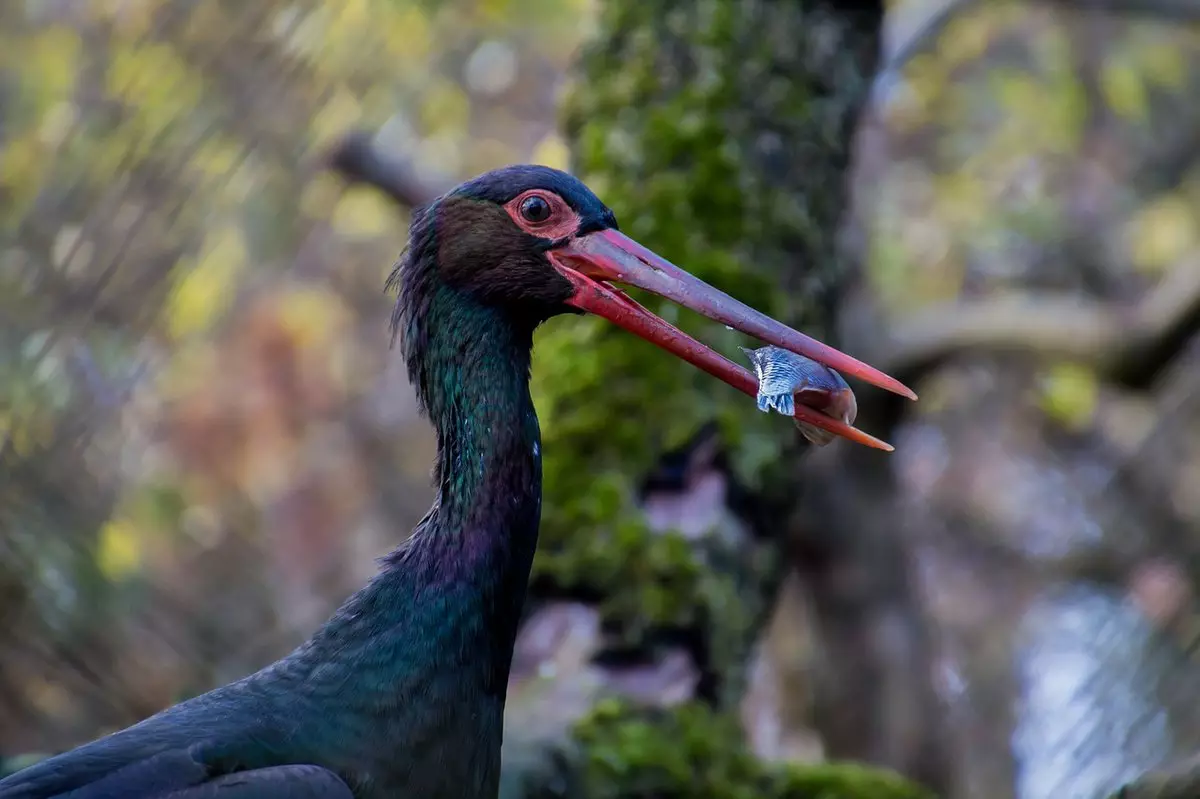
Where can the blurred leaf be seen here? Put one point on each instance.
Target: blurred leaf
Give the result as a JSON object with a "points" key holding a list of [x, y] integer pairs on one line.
{"points": [[204, 290], [1164, 64], [22, 165], [965, 38], [552, 151], [131, 17], [363, 212], [155, 82], [408, 38], [1124, 90], [118, 552], [1069, 394], [51, 61], [311, 315], [340, 113], [321, 195], [445, 107], [1163, 232]]}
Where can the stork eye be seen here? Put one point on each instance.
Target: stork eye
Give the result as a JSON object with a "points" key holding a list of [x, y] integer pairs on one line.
{"points": [[535, 209]]}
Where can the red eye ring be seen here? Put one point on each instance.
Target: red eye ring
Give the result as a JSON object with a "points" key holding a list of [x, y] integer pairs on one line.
{"points": [[554, 221], [536, 209]]}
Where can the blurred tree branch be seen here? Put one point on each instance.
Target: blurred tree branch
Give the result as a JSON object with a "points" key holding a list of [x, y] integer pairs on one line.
{"points": [[927, 34], [1125, 344], [357, 158]]}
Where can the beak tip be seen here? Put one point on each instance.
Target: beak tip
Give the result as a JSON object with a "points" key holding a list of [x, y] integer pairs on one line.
{"points": [[896, 387]]}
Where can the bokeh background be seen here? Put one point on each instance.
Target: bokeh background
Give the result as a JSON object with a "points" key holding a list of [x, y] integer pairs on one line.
{"points": [[205, 440]]}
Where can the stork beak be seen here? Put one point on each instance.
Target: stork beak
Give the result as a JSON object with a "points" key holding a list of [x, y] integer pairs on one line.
{"points": [[595, 260]]}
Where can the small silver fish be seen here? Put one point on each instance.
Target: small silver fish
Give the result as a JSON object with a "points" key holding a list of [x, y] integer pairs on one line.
{"points": [[784, 375]]}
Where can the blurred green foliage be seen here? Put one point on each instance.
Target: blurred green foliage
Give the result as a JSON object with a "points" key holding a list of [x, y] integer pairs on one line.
{"points": [[691, 752]]}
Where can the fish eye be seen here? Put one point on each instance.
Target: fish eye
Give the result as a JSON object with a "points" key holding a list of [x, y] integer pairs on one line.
{"points": [[535, 209]]}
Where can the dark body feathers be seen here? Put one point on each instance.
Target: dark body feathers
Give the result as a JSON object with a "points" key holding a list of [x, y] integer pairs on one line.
{"points": [[401, 693]]}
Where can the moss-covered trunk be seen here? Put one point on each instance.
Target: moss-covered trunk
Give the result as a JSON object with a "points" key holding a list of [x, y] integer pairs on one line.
{"points": [[721, 135]]}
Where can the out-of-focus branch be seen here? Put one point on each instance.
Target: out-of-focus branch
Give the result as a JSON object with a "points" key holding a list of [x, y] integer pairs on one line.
{"points": [[357, 158], [1127, 344], [924, 37]]}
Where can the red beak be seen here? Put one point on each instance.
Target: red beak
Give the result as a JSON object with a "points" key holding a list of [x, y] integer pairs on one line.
{"points": [[594, 260]]}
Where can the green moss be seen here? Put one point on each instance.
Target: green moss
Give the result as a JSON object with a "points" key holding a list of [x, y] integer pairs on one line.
{"points": [[717, 133], [690, 751]]}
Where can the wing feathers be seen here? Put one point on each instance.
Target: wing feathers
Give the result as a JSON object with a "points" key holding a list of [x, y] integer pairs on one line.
{"points": [[153, 776], [176, 774], [278, 782]]}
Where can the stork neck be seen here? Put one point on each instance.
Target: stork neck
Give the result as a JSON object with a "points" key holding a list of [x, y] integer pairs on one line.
{"points": [[423, 652], [472, 376]]}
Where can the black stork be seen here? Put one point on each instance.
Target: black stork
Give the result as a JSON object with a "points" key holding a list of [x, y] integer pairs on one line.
{"points": [[401, 693]]}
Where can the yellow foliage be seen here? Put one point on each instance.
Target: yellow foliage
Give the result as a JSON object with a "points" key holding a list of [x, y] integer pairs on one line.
{"points": [[485, 154], [1069, 395], [57, 123], [132, 18], [1019, 92], [204, 290], [217, 157], [495, 11], [1041, 115], [552, 151], [118, 550], [340, 41], [962, 197], [354, 14], [363, 212], [109, 156], [445, 107], [965, 38], [49, 64], [926, 79], [345, 37], [1163, 232], [310, 37], [189, 370], [320, 195], [1124, 90], [312, 316], [1164, 64], [340, 113], [22, 165], [154, 82], [26, 432], [407, 39]]}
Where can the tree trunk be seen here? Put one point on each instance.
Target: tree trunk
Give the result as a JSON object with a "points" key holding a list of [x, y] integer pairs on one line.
{"points": [[721, 135]]}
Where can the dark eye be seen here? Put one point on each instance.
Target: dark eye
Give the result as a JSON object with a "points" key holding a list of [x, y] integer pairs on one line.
{"points": [[534, 208]]}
